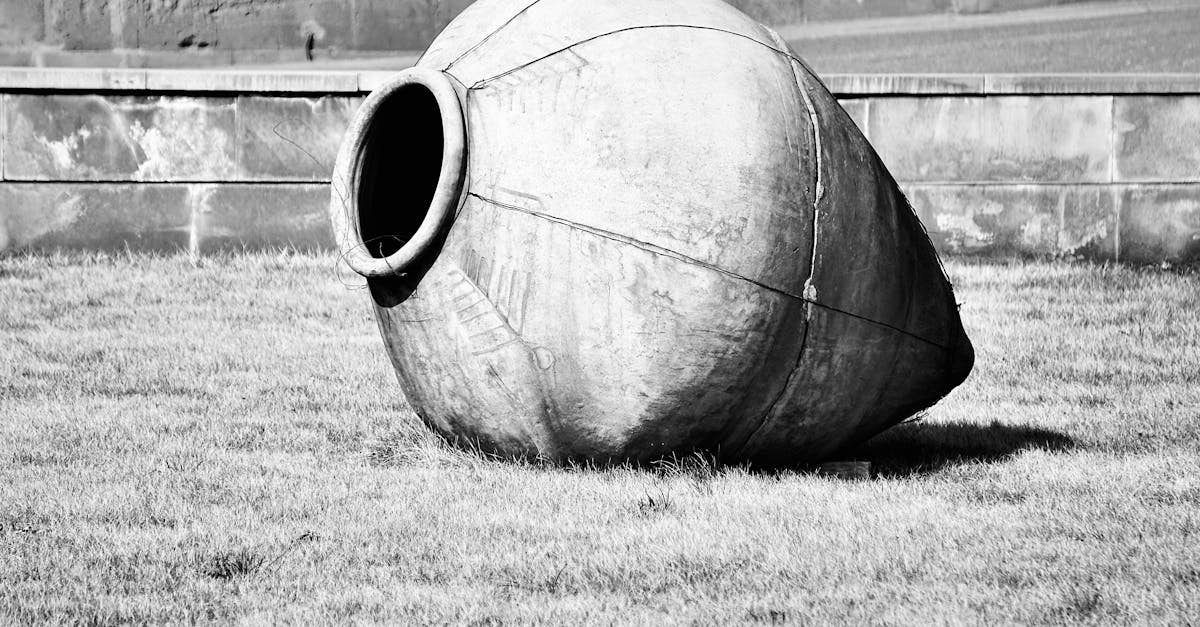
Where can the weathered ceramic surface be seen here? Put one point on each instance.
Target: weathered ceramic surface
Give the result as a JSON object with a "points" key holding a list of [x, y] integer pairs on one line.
{"points": [[670, 237]]}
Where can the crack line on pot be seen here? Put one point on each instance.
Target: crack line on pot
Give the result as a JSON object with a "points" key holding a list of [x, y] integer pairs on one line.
{"points": [[667, 252], [810, 290], [480, 83], [489, 35]]}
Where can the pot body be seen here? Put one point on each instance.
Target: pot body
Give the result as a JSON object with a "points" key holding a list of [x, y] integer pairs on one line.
{"points": [[667, 236]]}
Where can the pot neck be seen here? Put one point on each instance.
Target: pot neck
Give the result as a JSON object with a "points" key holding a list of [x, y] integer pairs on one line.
{"points": [[401, 173]]}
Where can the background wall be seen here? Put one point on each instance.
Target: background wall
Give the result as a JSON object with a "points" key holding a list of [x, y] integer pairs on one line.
{"points": [[367, 25], [236, 24], [1102, 167]]}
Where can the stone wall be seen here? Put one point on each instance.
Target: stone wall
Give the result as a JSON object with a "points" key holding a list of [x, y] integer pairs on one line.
{"points": [[1104, 167], [1098, 167], [335, 25], [233, 24]]}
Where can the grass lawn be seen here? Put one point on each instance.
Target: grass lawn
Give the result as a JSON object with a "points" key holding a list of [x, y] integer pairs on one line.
{"points": [[226, 442]]}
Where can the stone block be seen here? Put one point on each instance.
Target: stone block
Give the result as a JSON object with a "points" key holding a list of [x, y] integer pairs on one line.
{"points": [[10, 57], [1021, 220], [94, 216], [401, 25], [1158, 138], [239, 217], [81, 25], [1160, 223], [22, 22], [286, 25], [259, 25], [857, 108], [1064, 139], [119, 138], [291, 139], [181, 25], [1090, 220]]}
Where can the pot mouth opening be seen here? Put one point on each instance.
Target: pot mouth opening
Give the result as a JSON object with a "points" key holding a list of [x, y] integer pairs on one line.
{"points": [[406, 173]]}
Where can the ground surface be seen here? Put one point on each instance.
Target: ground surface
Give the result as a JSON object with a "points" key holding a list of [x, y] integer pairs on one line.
{"points": [[226, 443], [1084, 38]]}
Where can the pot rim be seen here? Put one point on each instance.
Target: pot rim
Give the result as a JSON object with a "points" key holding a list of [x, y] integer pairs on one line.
{"points": [[447, 198]]}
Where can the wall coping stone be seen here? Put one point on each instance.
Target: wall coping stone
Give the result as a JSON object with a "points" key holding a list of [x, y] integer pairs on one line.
{"points": [[353, 82], [253, 81]]}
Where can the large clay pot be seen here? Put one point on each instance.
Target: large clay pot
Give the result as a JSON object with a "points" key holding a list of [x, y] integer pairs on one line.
{"points": [[622, 229]]}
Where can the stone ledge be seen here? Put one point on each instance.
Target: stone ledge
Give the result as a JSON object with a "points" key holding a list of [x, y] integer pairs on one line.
{"points": [[1010, 84], [72, 79], [904, 84], [350, 81], [253, 81], [1113, 84], [198, 81]]}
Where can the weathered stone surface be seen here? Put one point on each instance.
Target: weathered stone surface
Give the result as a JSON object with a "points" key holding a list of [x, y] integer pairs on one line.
{"points": [[291, 139], [365, 24], [137, 58], [237, 217], [15, 57], [1160, 223], [1158, 138], [392, 25], [55, 78], [287, 24], [22, 22], [1091, 83], [887, 84], [252, 81], [1025, 220], [272, 24], [1090, 220], [177, 59], [82, 25], [186, 24], [94, 216], [121, 138], [857, 109], [1019, 138]]}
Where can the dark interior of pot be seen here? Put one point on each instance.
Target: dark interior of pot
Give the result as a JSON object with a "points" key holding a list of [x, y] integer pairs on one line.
{"points": [[400, 163]]}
